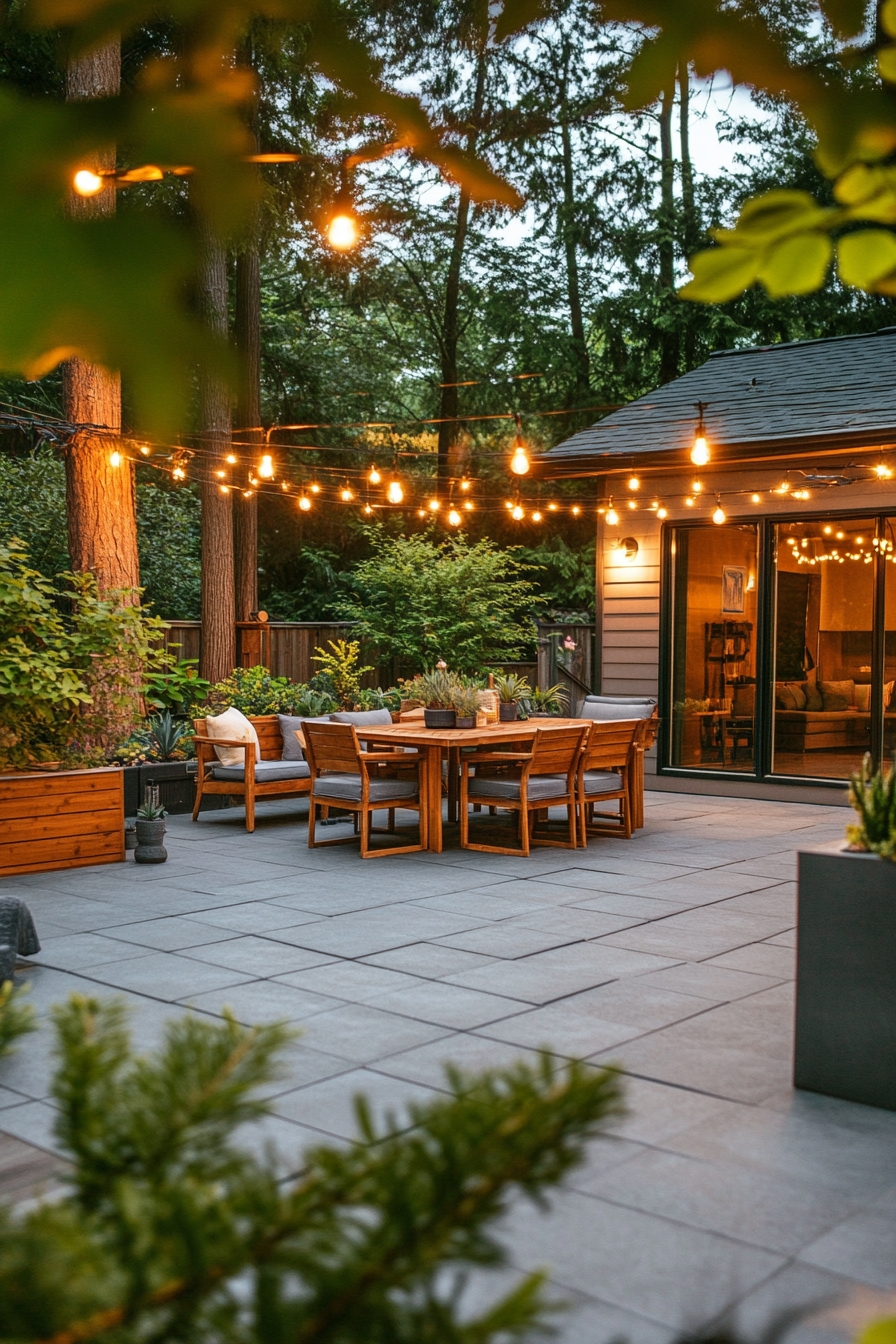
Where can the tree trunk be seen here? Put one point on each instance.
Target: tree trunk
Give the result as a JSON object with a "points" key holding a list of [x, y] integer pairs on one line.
{"points": [[568, 234], [690, 223], [449, 429], [248, 415], [101, 500], [218, 650], [666, 242]]}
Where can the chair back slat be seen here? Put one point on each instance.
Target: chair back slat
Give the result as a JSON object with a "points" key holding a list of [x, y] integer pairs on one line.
{"points": [[610, 742], [270, 739], [555, 751], [332, 746]]}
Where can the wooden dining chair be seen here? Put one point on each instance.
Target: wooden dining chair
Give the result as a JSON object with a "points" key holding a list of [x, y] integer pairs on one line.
{"points": [[344, 776], [545, 777], [604, 776], [643, 741]]}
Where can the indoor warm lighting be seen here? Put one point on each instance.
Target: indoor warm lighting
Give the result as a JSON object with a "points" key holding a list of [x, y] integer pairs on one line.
{"points": [[634, 483], [115, 459], [87, 183], [179, 474], [519, 463], [342, 232], [882, 472], [719, 513], [434, 505], [536, 517], [304, 503], [700, 450], [662, 513], [266, 470], [374, 478], [517, 513], [230, 458], [612, 515], [394, 493], [454, 518], [346, 495]]}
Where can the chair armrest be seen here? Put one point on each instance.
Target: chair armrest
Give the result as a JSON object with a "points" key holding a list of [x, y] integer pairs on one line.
{"points": [[223, 742]]}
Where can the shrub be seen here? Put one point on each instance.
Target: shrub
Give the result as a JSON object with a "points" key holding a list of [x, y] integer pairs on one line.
{"points": [[873, 795], [341, 666], [252, 690]]}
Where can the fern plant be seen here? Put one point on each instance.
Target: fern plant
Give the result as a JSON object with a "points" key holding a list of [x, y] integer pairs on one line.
{"points": [[873, 795]]}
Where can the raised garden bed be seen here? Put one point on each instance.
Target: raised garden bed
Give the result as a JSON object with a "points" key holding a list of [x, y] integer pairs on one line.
{"points": [[64, 819], [177, 787]]}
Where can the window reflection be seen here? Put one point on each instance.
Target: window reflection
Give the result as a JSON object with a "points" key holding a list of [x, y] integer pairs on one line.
{"points": [[822, 646]]}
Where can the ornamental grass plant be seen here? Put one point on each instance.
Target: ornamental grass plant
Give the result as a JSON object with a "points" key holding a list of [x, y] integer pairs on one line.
{"points": [[873, 795]]}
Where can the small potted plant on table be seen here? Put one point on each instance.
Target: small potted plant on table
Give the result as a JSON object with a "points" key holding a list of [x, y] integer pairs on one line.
{"points": [[547, 704], [435, 691], [846, 954], [465, 700], [511, 690]]}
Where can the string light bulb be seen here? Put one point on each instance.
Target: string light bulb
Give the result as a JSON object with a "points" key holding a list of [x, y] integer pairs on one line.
{"points": [[718, 516], [700, 452], [757, 499], [225, 489], [374, 477], [178, 473], [221, 474], [454, 518], [115, 459], [315, 489], [394, 492], [662, 512], [576, 510], [697, 487], [342, 230], [304, 503], [517, 513], [87, 183], [612, 515], [266, 468], [519, 462], [536, 517], [552, 508], [434, 505], [634, 483], [468, 505], [231, 459], [145, 449], [346, 495], [465, 484], [368, 509], [882, 471]]}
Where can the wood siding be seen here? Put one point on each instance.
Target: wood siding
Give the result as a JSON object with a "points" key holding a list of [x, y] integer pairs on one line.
{"points": [[631, 610], [64, 820]]}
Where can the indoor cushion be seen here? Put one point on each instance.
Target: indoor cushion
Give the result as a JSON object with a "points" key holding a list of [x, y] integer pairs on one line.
{"points": [[798, 692], [784, 696], [814, 701], [349, 786], [863, 697], [837, 694], [362, 718], [602, 781], [289, 723], [233, 724], [265, 771], [540, 786]]}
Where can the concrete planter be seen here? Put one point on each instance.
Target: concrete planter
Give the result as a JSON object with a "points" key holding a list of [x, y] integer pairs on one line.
{"points": [[150, 835], [846, 978], [507, 711], [177, 787]]}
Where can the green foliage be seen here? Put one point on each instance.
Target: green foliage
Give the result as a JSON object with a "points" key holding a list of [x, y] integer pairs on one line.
{"points": [[314, 704], [465, 700], [873, 795], [253, 690], [16, 1018], [173, 1231], [434, 690], [176, 685], [32, 508], [552, 700], [69, 661], [341, 665], [468, 603], [511, 687], [169, 544], [562, 574], [377, 698]]}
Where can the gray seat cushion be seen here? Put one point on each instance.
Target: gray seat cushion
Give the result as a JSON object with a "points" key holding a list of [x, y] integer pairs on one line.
{"points": [[363, 718], [349, 786], [265, 771], [602, 781], [540, 786], [288, 725], [605, 711]]}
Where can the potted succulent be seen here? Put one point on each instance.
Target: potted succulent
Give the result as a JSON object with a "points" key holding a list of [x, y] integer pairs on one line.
{"points": [[548, 704], [435, 692], [846, 954], [163, 750], [511, 690], [465, 700], [150, 828]]}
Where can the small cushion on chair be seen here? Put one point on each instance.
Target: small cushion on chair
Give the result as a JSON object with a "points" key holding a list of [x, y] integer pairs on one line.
{"points": [[602, 781], [265, 771], [349, 786], [540, 786], [233, 724], [289, 724]]}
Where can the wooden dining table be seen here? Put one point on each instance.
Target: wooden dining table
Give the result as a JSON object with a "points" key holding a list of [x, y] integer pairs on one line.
{"points": [[435, 743]]}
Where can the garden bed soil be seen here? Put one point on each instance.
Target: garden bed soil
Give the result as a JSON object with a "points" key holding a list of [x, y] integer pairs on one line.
{"points": [[60, 819]]}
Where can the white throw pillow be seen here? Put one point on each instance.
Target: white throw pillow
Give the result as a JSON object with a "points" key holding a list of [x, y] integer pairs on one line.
{"points": [[234, 725]]}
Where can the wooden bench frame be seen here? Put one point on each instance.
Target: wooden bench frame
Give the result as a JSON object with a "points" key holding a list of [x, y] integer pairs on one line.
{"points": [[270, 740]]}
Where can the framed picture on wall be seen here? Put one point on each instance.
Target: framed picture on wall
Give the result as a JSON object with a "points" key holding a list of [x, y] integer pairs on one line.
{"points": [[734, 584]]}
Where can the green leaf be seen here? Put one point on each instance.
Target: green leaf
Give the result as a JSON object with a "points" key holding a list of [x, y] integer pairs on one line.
{"points": [[774, 215], [887, 16], [721, 273], [519, 14], [866, 257], [797, 265], [847, 17], [879, 1332]]}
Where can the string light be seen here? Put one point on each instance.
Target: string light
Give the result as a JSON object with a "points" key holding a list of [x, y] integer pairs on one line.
{"points": [[315, 489], [757, 499], [454, 518], [468, 505], [632, 504], [231, 458], [576, 511], [374, 477], [434, 505], [465, 484], [700, 451], [345, 494], [519, 462], [87, 183], [662, 513], [115, 459], [221, 474], [634, 483], [304, 503], [552, 508], [689, 502], [697, 487], [517, 513], [225, 489], [883, 472], [178, 473], [368, 509], [394, 492], [284, 485], [266, 469], [421, 513], [718, 516], [612, 515], [536, 517], [145, 449], [342, 231]]}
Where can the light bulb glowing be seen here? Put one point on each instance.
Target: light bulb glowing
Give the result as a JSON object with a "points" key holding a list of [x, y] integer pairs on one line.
{"points": [[827, 530], [178, 473], [700, 451], [519, 463], [536, 517], [612, 516], [632, 504], [434, 505], [634, 483], [468, 505], [87, 183], [230, 458], [697, 487], [304, 503], [757, 499], [454, 518], [225, 489], [394, 493], [662, 513], [552, 508], [368, 509], [342, 232], [315, 489], [465, 484], [266, 470], [145, 450], [115, 459], [882, 472], [346, 495], [374, 478], [689, 502], [517, 513], [719, 514], [284, 485], [576, 510], [221, 474]]}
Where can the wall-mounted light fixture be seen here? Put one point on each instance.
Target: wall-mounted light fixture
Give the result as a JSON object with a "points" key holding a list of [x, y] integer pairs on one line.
{"points": [[627, 548]]}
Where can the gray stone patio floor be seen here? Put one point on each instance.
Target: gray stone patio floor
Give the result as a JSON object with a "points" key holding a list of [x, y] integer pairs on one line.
{"points": [[722, 1191]]}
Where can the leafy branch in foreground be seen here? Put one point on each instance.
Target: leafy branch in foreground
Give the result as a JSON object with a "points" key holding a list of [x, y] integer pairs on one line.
{"points": [[173, 1232], [16, 1018]]}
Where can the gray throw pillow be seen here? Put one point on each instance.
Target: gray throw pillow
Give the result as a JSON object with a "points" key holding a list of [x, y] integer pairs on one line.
{"points": [[288, 725], [362, 718]]}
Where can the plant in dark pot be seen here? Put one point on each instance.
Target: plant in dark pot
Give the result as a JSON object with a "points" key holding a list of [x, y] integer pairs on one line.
{"points": [[435, 692], [150, 828], [547, 704], [465, 700], [846, 953], [511, 690]]}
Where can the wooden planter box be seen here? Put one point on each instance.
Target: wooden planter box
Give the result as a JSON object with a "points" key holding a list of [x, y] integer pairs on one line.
{"points": [[60, 820], [846, 978]]}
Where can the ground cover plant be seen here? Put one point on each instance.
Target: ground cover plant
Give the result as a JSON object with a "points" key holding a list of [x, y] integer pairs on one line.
{"points": [[171, 1231]]}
